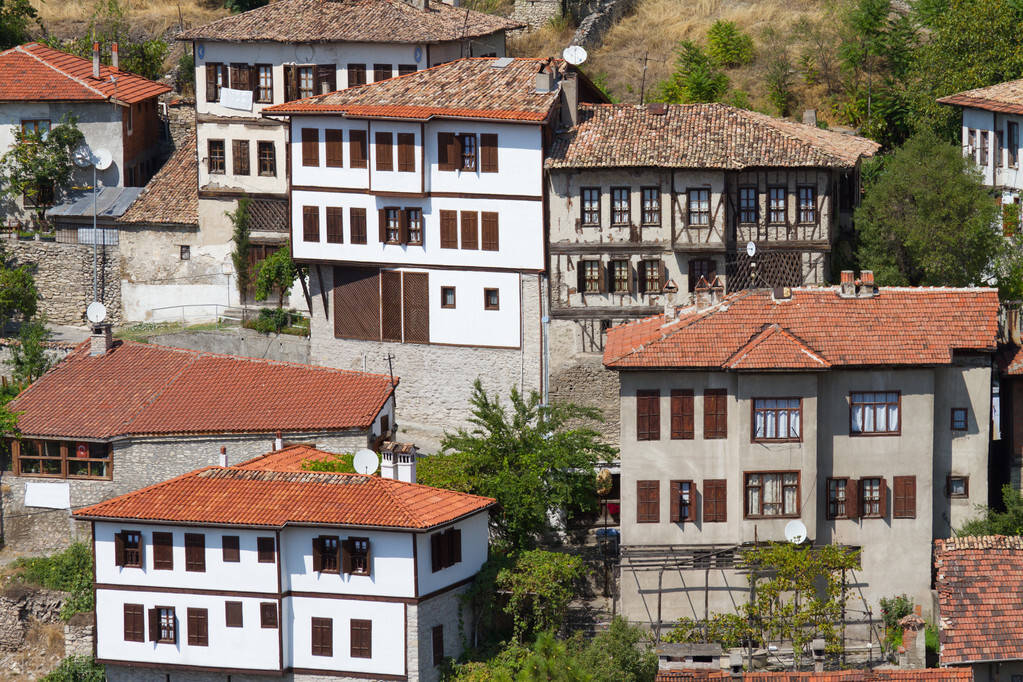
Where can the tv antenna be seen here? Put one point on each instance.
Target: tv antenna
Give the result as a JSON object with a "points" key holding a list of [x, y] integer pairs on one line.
{"points": [[99, 159], [366, 462]]}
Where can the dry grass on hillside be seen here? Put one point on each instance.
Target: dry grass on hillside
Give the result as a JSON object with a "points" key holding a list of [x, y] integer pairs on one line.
{"points": [[547, 41], [66, 18]]}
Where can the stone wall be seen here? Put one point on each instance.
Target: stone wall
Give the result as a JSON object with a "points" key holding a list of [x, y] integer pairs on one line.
{"points": [[63, 275], [241, 341], [599, 21], [593, 17], [20, 606], [536, 13], [446, 610], [80, 635], [55, 351], [580, 377]]}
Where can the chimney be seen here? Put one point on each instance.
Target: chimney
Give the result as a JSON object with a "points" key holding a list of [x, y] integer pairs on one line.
{"points": [[114, 60], [670, 291], [101, 340], [278, 441], [735, 665], [867, 288], [818, 647], [810, 117], [709, 294], [420, 4], [398, 461], [545, 79], [913, 652], [847, 288], [570, 100], [95, 60], [223, 456]]}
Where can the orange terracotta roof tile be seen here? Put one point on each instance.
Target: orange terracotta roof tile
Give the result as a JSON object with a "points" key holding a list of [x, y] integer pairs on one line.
{"points": [[1004, 97], [980, 593], [171, 197], [34, 72], [240, 496], [816, 329], [290, 458], [1013, 361], [925, 675], [147, 389]]}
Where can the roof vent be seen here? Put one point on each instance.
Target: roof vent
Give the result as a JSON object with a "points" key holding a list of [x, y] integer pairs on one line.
{"points": [[657, 108], [502, 62]]}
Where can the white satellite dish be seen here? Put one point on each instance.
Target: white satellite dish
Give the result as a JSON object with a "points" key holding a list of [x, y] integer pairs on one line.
{"points": [[574, 54], [102, 158], [366, 462], [751, 249], [82, 156], [96, 312], [795, 532]]}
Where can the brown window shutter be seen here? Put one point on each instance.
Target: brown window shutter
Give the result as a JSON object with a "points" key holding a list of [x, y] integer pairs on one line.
{"points": [[390, 305], [240, 76], [444, 161], [675, 488], [456, 545], [357, 149], [335, 225], [211, 82], [884, 497], [852, 498], [357, 220], [491, 239], [448, 229], [382, 214], [317, 555], [580, 276], [195, 552], [416, 299], [403, 220], [488, 153], [437, 634], [602, 277], [346, 556], [326, 78], [361, 638], [233, 614], [335, 148], [154, 625], [406, 152], [310, 147], [163, 551], [384, 151], [662, 276], [290, 82], [715, 415], [357, 303], [648, 415], [470, 231], [715, 495], [648, 501], [682, 414], [240, 156], [641, 276], [454, 152], [904, 497], [435, 550], [311, 223], [119, 549]]}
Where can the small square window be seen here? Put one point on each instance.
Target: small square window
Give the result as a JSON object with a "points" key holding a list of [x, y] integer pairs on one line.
{"points": [[958, 486], [186, 252], [491, 299], [959, 419], [447, 297]]}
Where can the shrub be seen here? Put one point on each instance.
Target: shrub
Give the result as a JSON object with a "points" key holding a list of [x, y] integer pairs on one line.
{"points": [[696, 78], [77, 669], [728, 45], [271, 320], [621, 653], [339, 463], [728, 629], [68, 571], [779, 84], [892, 611], [186, 72]]}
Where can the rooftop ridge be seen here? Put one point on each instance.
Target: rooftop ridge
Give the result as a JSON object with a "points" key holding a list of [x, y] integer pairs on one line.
{"points": [[30, 53]]}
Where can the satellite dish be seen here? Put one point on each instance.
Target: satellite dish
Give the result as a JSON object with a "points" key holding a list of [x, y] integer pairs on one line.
{"points": [[751, 249], [795, 532], [82, 156], [574, 54], [96, 312], [366, 462], [102, 158]]}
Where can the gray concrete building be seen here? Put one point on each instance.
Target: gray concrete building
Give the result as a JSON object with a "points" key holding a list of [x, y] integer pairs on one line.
{"points": [[864, 413]]}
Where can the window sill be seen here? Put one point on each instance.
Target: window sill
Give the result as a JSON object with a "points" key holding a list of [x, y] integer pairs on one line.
{"points": [[872, 516], [268, 175], [873, 434], [768, 441], [362, 573], [419, 243], [765, 517]]}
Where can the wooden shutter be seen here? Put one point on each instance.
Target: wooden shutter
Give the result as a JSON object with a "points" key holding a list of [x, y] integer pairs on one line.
{"points": [[335, 148], [648, 501], [715, 413], [195, 552], [335, 225], [326, 78], [230, 548], [211, 81], [662, 276], [384, 151], [456, 545], [163, 551], [134, 627], [470, 231], [447, 152], [322, 637], [317, 555], [491, 240], [904, 497], [416, 305], [436, 561], [437, 635], [240, 76], [580, 276], [852, 498], [362, 638], [357, 303], [346, 548], [648, 415], [448, 229], [119, 549], [682, 414], [390, 305], [641, 276], [602, 276], [154, 625], [884, 497], [357, 149], [357, 225], [382, 221], [311, 223], [311, 147], [240, 156], [198, 627], [406, 152], [265, 550], [488, 153], [674, 501], [403, 220], [268, 615], [290, 82], [233, 614], [715, 497], [356, 75]]}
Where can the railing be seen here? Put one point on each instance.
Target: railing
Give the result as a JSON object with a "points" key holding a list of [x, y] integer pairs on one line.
{"points": [[217, 307]]}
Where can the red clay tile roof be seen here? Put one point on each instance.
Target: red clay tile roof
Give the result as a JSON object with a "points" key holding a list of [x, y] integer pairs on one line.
{"points": [[464, 88], [699, 136], [290, 458], [353, 21], [35, 73], [171, 197], [1004, 97], [926, 675], [1011, 360], [899, 326], [236, 496], [980, 593], [143, 389]]}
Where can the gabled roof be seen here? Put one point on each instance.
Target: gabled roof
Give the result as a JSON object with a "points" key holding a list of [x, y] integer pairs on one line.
{"points": [[815, 329], [35, 73], [353, 21], [980, 593], [290, 458], [171, 197], [147, 389], [481, 87], [699, 136], [236, 496], [1004, 98]]}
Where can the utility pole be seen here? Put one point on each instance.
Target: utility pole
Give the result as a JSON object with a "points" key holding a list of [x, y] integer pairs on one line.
{"points": [[642, 84]]}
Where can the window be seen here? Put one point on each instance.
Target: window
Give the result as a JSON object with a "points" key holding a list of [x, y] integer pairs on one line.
{"points": [[447, 152], [957, 486], [1013, 144], [215, 156], [807, 205], [489, 233], [648, 501], [683, 501], [357, 149], [198, 627], [715, 501], [306, 86], [265, 550], [406, 69], [590, 280], [240, 76], [445, 549], [682, 414], [134, 627], [488, 153], [715, 413], [748, 205], [326, 78], [362, 638], [35, 126], [621, 276], [163, 625], [776, 206], [357, 225], [264, 83], [267, 159], [128, 549], [841, 498], [772, 494], [268, 615], [777, 419], [984, 135], [233, 614], [391, 224], [960, 420], [437, 633], [327, 554], [195, 552], [651, 206], [414, 226], [240, 156], [620, 209], [491, 299], [470, 230], [701, 268], [590, 205], [648, 415], [310, 223], [310, 147], [185, 252], [163, 551], [129, 115], [384, 151], [382, 72], [699, 207], [323, 637], [651, 276], [215, 80], [356, 75], [406, 152], [333, 139], [875, 413], [467, 142], [447, 297], [904, 497], [229, 545], [872, 494], [448, 229], [355, 551]]}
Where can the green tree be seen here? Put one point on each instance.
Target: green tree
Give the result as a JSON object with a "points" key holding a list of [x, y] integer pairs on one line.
{"points": [[276, 272], [927, 219], [779, 79], [729, 46], [243, 5], [77, 669], [550, 661], [540, 585], [18, 293], [622, 653], [40, 160], [533, 460], [995, 522], [239, 218], [28, 359], [16, 21], [697, 78]]}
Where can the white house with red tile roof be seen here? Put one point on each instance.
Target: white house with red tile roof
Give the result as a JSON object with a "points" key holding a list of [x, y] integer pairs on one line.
{"points": [[241, 570], [862, 412], [116, 110]]}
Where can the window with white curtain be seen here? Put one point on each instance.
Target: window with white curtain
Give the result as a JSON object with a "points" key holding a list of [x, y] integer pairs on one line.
{"points": [[778, 419], [874, 413], [772, 494]]}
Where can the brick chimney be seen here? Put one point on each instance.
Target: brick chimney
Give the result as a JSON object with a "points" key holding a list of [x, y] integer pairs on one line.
{"points": [[398, 461], [115, 62], [95, 60], [709, 293], [570, 100], [670, 291], [913, 652], [223, 456], [867, 288], [102, 339], [847, 288]]}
